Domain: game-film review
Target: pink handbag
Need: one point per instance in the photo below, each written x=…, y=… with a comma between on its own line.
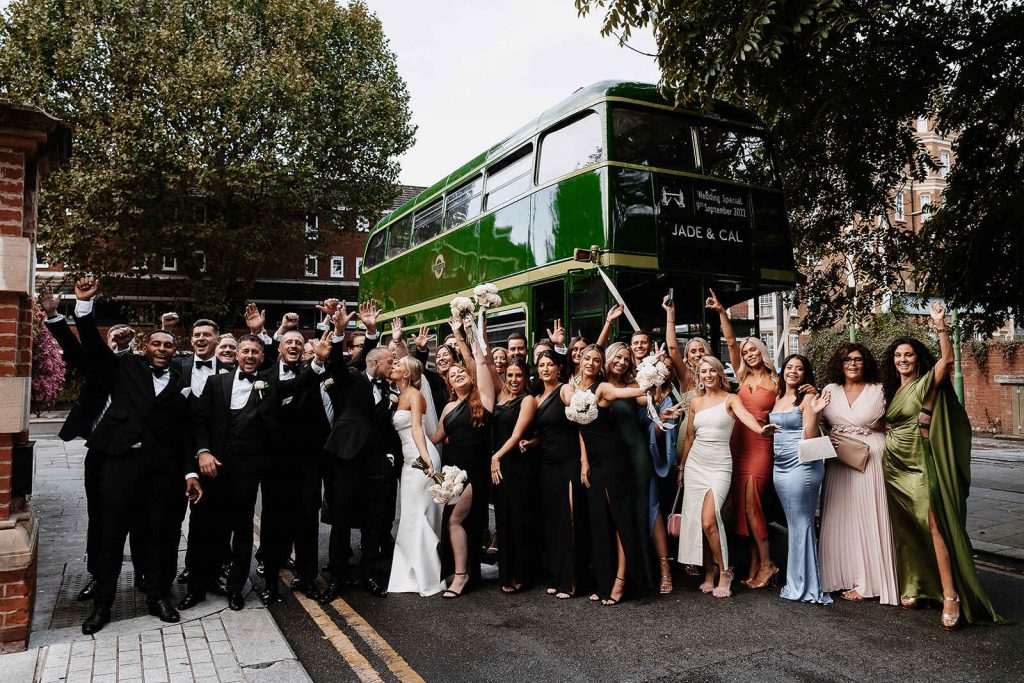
x=675, y=519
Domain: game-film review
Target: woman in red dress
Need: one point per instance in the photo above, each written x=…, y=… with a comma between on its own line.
x=752, y=454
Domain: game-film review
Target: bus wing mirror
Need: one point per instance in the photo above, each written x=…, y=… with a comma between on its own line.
x=587, y=255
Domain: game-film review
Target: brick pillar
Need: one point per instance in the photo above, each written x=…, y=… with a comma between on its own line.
x=31, y=145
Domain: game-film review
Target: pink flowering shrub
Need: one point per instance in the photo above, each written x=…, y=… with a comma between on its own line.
x=47, y=365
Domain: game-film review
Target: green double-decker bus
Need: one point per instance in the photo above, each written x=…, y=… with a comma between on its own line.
x=613, y=176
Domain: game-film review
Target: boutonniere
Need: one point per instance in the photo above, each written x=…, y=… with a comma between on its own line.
x=393, y=398
x=224, y=371
x=259, y=386
x=327, y=383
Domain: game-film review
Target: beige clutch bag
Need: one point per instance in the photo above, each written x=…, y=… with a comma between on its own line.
x=818, y=448
x=851, y=452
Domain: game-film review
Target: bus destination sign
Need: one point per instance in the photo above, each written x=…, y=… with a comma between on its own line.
x=703, y=226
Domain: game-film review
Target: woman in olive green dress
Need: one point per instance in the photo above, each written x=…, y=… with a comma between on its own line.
x=927, y=479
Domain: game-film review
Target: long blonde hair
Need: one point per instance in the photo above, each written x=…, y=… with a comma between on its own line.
x=719, y=368
x=610, y=353
x=744, y=370
x=414, y=368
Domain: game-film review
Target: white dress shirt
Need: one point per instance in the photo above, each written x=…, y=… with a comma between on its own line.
x=241, y=390
x=201, y=374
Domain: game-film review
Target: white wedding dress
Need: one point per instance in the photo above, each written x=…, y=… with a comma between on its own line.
x=416, y=567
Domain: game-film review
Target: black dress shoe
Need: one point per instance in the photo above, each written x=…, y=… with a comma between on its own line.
x=235, y=601
x=190, y=600
x=162, y=608
x=260, y=568
x=88, y=592
x=307, y=588
x=99, y=618
x=221, y=587
x=375, y=589
x=183, y=576
x=331, y=590
x=268, y=596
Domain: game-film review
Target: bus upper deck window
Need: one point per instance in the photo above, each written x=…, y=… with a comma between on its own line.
x=652, y=138
x=375, y=249
x=427, y=223
x=736, y=154
x=509, y=177
x=399, y=236
x=464, y=203
x=571, y=147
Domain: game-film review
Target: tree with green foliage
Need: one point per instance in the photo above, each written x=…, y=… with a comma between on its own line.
x=213, y=126
x=839, y=83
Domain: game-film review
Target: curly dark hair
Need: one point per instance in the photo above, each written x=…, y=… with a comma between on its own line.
x=834, y=369
x=808, y=375
x=891, y=381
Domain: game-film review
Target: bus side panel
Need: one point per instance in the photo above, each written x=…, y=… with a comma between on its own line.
x=773, y=246
x=634, y=224
x=505, y=242
x=567, y=216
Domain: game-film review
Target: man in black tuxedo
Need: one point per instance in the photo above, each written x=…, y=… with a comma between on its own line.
x=84, y=414
x=142, y=461
x=237, y=436
x=360, y=441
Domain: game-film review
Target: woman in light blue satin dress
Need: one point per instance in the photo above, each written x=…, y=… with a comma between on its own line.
x=798, y=484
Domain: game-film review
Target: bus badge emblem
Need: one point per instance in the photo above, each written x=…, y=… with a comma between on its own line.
x=438, y=266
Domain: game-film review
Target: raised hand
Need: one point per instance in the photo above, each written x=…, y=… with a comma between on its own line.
x=671, y=413
x=86, y=288
x=255, y=319
x=614, y=312
x=397, y=333
x=557, y=336
x=289, y=322
x=341, y=318
x=658, y=351
x=670, y=308
x=807, y=389
x=168, y=321
x=123, y=336
x=713, y=303
x=819, y=402
x=937, y=311
x=422, y=338
x=47, y=301
x=368, y=315
x=322, y=347
x=329, y=306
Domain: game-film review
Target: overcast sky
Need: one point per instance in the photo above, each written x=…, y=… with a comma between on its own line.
x=477, y=71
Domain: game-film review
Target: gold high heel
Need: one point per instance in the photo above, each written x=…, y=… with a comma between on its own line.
x=949, y=621
x=666, y=577
x=726, y=592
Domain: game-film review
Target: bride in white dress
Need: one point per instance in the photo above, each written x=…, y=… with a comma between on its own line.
x=416, y=567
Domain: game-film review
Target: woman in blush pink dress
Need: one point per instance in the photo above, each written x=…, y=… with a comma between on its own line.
x=855, y=543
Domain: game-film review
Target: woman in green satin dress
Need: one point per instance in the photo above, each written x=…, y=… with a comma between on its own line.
x=927, y=479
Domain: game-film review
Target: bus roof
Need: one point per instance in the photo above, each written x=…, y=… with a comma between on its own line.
x=596, y=92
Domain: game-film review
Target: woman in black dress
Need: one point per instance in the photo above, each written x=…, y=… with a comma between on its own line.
x=615, y=527
x=466, y=423
x=514, y=475
x=563, y=501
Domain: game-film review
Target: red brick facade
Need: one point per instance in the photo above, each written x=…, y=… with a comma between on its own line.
x=31, y=145
x=992, y=392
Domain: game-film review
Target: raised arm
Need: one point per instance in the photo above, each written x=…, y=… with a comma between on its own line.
x=675, y=355
x=485, y=378
x=606, y=331
x=727, y=331
x=739, y=411
x=460, y=342
x=606, y=393
x=945, y=362
x=98, y=357
x=812, y=414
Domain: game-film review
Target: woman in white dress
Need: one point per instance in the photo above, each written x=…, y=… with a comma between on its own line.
x=416, y=567
x=706, y=468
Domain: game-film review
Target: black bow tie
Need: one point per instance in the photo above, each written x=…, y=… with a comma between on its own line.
x=250, y=376
x=158, y=372
x=204, y=364
x=287, y=368
x=381, y=384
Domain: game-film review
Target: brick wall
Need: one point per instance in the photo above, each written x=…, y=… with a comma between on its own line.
x=989, y=402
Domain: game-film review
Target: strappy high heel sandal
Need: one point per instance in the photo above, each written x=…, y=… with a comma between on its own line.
x=449, y=594
x=610, y=601
x=758, y=585
x=726, y=592
x=951, y=622
x=666, y=577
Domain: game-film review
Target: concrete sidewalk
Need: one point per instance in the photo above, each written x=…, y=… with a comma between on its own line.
x=211, y=643
x=995, y=508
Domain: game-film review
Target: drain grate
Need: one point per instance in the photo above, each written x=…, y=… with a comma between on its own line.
x=128, y=603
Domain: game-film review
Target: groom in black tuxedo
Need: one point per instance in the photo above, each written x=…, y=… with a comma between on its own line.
x=360, y=441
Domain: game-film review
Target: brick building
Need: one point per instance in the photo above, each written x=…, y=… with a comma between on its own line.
x=295, y=282
x=32, y=144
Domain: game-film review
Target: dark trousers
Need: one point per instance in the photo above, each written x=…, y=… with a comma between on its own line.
x=136, y=538
x=141, y=495
x=359, y=495
x=225, y=513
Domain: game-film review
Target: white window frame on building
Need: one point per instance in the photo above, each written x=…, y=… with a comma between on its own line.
x=922, y=125
x=359, y=266
x=766, y=306
x=769, y=341
x=926, y=205
x=338, y=267
x=315, y=270
x=943, y=164
x=169, y=264
x=794, y=343
x=899, y=207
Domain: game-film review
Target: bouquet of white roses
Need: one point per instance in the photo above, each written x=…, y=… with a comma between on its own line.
x=582, y=408
x=462, y=308
x=448, y=484
x=486, y=296
x=651, y=373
